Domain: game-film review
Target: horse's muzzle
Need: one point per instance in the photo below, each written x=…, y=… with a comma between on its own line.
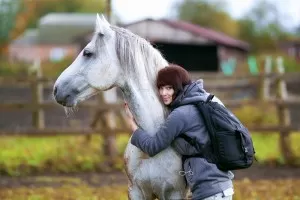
x=65, y=97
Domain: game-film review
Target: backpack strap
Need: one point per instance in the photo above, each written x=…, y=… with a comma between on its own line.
x=209, y=98
x=188, y=139
x=193, y=143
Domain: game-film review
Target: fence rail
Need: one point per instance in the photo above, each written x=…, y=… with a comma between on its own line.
x=51, y=104
x=32, y=132
x=38, y=105
x=117, y=106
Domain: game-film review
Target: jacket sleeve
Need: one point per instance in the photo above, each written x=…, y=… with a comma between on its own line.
x=174, y=125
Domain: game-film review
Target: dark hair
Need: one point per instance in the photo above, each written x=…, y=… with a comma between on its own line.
x=173, y=75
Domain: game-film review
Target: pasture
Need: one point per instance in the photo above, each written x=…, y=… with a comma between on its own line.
x=70, y=167
x=21, y=156
x=76, y=188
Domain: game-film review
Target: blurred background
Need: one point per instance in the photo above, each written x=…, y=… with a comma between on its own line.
x=247, y=52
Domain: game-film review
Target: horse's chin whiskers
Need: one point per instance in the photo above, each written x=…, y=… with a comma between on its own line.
x=51, y=96
x=70, y=110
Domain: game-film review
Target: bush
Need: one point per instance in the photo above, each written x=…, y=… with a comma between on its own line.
x=8, y=68
x=49, y=69
x=258, y=115
x=53, y=69
x=290, y=64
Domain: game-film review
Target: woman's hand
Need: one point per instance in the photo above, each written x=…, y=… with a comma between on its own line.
x=130, y=119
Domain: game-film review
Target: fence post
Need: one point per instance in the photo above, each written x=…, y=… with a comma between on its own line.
x=283, y=115
x=110, y=144
x=266, y=80
x=108, y=122
x=38, y=120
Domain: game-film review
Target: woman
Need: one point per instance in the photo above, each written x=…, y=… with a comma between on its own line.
x=178, y=92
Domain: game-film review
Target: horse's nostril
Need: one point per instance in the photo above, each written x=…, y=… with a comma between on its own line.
x=67, y=97
x=55, y=91
x=75, y=91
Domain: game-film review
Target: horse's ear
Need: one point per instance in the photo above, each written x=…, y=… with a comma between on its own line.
x=104, y=20
x=102, y=26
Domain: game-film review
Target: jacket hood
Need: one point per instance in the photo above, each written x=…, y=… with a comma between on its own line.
x=191, y=93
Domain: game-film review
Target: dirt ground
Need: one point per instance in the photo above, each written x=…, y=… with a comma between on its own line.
x=256, y=172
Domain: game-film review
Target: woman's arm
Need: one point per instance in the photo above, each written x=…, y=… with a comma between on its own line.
x=152, y=145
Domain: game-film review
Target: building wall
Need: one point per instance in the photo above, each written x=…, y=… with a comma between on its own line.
x=226, y=53
x=292, y=50
x=44, y=52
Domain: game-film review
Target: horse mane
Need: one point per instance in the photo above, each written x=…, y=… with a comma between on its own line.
x=137, y=54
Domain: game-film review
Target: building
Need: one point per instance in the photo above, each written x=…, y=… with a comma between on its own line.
x=54, y=37
x=291, y=48
x=197, y=48
x=192, y=46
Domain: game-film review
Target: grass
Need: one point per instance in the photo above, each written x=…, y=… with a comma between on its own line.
x=31, y=155
x=66, y=192
x=26, y=155
x=267, y=147
x=244, y=190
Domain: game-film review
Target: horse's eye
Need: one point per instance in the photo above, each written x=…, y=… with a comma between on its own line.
x=87, y=53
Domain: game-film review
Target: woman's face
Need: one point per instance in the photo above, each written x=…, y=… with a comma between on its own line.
x=166, y=94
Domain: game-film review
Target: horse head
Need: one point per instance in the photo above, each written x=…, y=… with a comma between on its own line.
x=96, y=68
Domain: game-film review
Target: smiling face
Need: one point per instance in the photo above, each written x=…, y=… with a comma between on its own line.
x=166, y=94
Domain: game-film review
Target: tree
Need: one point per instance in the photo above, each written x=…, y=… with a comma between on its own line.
x=18, y=15
x=8, y=12
x=14, y=15
x=262, y=26
x=210, y=14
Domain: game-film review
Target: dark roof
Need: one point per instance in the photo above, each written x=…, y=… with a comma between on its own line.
x=207, y=33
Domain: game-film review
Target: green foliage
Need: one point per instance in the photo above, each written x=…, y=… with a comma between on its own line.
x=290, y=64
x=262, y=114
x=8, y=14
x=208, y=14
x=12, y=69
x=53, y=69
x=266, y=144
x=18, y=15
x=49, y=69
x=261, y=26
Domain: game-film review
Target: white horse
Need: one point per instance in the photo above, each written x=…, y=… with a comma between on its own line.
x=115, y=57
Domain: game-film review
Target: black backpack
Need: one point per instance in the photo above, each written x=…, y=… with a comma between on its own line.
x=231, y=146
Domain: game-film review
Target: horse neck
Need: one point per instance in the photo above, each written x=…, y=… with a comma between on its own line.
x=148, y=113
x=140, y=62
x=145, y=105
x=141, y=94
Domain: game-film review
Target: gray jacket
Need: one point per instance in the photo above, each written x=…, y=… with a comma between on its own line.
x=204, y=178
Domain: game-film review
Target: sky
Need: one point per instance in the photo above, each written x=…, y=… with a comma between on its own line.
x=133, y=10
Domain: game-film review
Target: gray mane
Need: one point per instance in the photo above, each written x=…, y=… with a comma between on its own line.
x=137, y=54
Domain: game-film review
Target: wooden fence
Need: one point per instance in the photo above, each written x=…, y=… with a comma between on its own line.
x=106, y=112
